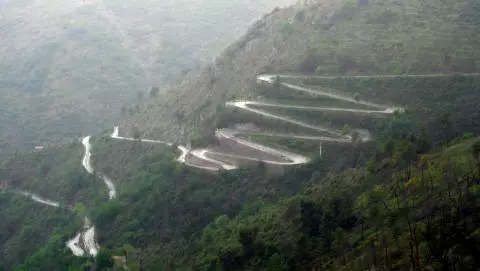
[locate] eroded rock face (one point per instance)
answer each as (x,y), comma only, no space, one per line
(84,243)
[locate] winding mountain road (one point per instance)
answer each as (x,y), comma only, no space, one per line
(373,76)
(39,199)
(84,242)
(86,163)
(288,158)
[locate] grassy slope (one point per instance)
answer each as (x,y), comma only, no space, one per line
(381,37)
(109,154)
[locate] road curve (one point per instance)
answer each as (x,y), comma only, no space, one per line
(289,158)
(84,242)
(86,163)
(185,152)
(39,199)
(87,156)
(271,77)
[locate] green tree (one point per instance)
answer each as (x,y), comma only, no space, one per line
(124,110)
(136,133)
(356,97)
(476,153)
(300,16)
(340,242)
(447,126)
(311,218)
(104,260)
(277,81)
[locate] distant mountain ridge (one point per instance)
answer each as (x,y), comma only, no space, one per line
(68,67)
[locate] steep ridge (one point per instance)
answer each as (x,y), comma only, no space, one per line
(209,159)
(325,38)
(218,158)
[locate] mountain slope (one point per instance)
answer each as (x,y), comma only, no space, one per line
(22,235)
(327,38)
(68,67)
(383,216)
(391,202)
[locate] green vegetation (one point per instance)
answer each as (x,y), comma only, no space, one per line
(71,68)
(417,213)
(26,226)
(407,200)
(109,154)
(283,95)
(184,201)
(334,38)
(448,102)
(55,173)
(321,215)
(396,37)
(333,120)
(305,147)
(32,235)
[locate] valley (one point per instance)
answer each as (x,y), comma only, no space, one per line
(73,66)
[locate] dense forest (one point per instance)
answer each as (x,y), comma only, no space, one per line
(370,206)
(401,202)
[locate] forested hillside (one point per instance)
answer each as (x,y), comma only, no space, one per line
(361,151)
(69,67)
(28,227)
(394,203)
(326,38)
